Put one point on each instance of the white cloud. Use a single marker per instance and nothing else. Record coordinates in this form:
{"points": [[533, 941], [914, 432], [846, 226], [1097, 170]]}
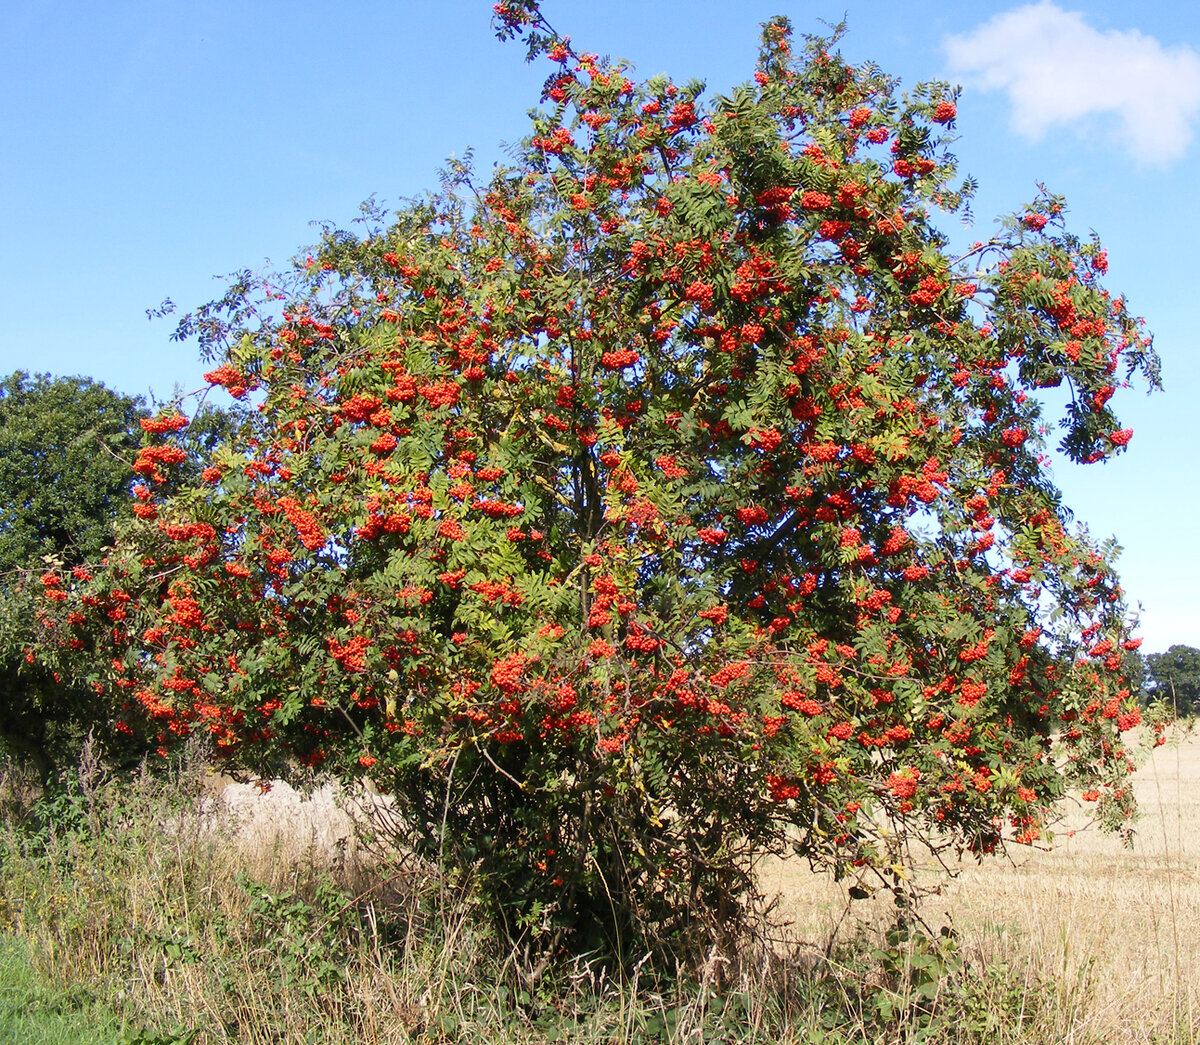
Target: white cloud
{"points": [[1060, 72]]}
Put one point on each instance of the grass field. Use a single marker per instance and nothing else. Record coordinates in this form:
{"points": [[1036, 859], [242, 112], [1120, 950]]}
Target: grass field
{"points": [[31, 1014], [246, 937]]}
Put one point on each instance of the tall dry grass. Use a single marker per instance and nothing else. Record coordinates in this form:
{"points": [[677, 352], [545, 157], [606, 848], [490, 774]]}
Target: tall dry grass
{"points": [[270, 918]]}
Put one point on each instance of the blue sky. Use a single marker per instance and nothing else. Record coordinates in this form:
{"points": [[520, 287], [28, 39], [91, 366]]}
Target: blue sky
{"points": [[146, 147]]}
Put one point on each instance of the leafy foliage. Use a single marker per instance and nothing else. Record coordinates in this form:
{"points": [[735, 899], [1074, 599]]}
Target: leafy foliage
{"points": [[65, 450], [1176, 677], [672, 496]]}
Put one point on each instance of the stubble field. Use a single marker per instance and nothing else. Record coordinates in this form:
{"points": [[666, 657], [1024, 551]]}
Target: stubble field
{"points": [[1115, 930]]}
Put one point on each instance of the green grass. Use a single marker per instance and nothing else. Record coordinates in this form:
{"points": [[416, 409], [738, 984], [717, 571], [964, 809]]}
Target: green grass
{"points": [[33, 1014]]}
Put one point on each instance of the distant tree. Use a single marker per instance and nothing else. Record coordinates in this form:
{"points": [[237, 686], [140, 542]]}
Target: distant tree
{"points": [[1133, 663], [1176, 677], [66, 449]]}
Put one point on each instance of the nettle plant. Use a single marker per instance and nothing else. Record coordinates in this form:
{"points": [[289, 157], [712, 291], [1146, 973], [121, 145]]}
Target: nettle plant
{"points": [[672, 496]]}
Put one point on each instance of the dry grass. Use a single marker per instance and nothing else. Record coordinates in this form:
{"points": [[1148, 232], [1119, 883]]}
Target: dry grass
{"points": [[1116, 930], [248, 917], [256, 918]]}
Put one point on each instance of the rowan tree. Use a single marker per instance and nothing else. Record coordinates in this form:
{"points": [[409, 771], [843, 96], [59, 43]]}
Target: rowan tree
{"points": [[673, 495]]}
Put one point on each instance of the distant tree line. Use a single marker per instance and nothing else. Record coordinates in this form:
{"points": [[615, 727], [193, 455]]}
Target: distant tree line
{"points": [[1174, 676]]}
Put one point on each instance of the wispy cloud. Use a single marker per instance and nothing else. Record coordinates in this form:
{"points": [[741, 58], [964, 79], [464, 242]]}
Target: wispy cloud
{"points": [[1058, 71]]}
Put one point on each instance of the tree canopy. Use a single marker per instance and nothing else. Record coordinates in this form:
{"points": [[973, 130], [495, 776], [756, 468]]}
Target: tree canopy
{"points": [[1176, 677], [66, 446], [673, 494]]}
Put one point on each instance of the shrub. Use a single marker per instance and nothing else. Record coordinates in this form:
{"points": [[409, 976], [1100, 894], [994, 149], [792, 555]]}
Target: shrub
{"points": [[672, 496]]}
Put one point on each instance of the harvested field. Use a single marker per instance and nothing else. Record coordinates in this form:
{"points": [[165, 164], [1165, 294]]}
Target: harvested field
{"points": [[1117, 927]]}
